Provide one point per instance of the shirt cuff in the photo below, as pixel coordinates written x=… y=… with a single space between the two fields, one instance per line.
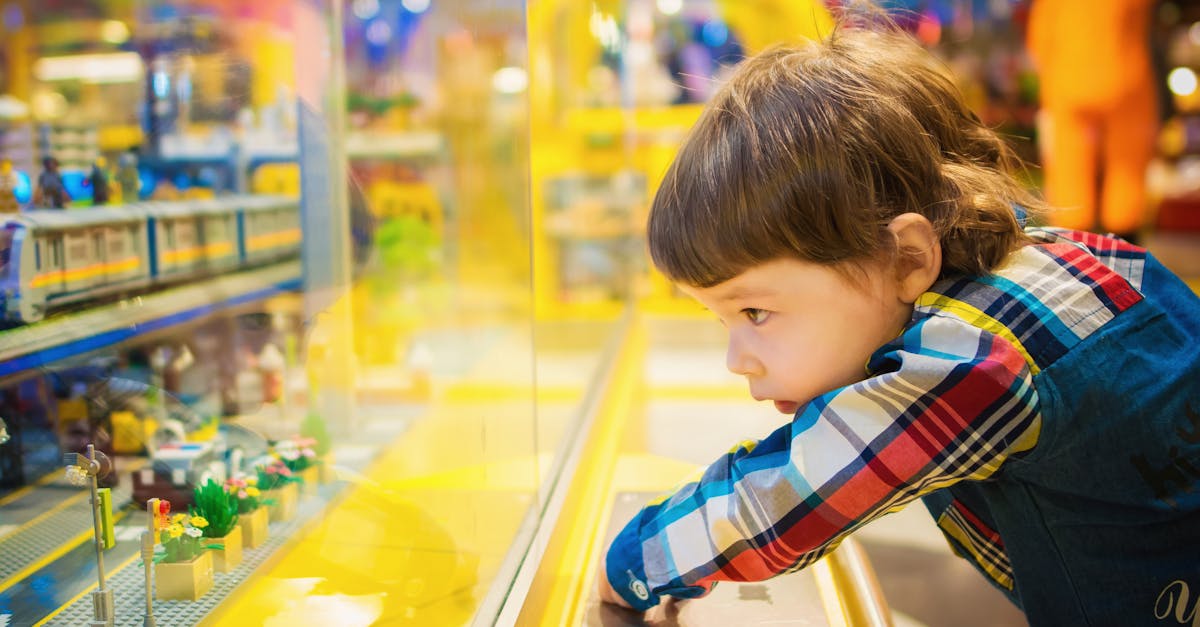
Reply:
x=626 y=570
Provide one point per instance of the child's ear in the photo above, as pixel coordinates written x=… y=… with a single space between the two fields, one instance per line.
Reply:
x=918 y=254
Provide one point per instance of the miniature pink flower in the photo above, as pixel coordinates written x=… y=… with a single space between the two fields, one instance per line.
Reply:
x=271 y=470
x=242 y=494
x=308 y=453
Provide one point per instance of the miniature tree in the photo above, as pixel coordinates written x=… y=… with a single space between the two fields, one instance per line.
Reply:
x=314 y=427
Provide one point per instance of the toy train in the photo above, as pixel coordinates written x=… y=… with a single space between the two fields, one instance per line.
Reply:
x=55 y=258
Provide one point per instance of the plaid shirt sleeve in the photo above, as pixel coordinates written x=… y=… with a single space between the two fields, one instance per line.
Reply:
x=945 y=402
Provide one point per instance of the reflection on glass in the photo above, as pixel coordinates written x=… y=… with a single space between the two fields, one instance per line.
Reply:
x=171 y=330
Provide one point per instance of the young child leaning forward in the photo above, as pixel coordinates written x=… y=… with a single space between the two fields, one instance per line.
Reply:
x=857 y=230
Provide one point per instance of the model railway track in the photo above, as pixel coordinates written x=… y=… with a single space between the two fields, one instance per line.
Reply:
x=29 y=347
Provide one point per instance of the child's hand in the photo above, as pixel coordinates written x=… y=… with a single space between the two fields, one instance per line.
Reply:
x=605 y=590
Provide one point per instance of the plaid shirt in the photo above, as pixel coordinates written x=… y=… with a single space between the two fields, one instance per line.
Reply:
x=950 y=400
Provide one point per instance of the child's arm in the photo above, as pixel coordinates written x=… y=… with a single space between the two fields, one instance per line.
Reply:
x=948 y=402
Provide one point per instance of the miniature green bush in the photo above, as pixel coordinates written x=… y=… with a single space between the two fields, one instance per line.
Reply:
x=218 y=506
x=274 y=475
x=314 y=427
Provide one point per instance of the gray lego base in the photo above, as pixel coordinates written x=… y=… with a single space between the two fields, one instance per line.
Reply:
x=20 y=549
x=129 y=583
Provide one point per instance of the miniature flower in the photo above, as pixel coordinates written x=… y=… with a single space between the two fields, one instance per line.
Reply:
x=271 y=470
x=309 y=453
x=290 y=455
x=252 y=491
x=193 y=532
x=175 y=530
x=285 y=471
x=179 y=519
x=199 y=522
x=243 y=494
x=251 y=481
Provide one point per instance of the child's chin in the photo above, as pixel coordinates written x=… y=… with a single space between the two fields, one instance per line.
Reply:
x=787 y=407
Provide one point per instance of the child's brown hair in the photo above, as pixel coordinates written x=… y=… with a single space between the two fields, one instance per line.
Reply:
x=808 y=152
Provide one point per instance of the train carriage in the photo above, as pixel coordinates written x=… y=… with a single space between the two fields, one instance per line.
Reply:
x=193 y=237
x=270 y=227
x=55 y=257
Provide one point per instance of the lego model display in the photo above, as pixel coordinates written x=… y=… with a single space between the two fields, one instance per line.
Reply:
x=49 y=258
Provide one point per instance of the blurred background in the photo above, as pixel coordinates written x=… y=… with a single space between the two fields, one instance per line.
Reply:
x=382 y=262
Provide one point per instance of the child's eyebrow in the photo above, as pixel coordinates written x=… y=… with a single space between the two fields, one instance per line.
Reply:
x=742 y=292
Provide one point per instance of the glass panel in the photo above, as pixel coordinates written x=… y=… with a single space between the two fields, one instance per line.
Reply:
x=324 y=306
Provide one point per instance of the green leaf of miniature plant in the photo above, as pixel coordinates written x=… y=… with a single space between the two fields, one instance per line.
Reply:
x=217 y=506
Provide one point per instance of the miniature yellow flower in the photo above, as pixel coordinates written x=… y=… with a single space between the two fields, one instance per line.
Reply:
x=179 y=519
x=175 y=530
x=199 y=522
x=252 y=491
x=251 y=480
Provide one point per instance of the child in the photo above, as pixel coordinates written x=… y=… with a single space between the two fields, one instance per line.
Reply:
x=856 y=229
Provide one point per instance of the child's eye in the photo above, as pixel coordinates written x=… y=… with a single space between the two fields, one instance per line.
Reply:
x=756 y=316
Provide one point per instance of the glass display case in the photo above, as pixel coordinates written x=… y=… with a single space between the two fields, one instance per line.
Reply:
x=319 y=313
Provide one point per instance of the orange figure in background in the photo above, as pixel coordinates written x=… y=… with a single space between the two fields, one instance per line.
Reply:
x=1099 y=116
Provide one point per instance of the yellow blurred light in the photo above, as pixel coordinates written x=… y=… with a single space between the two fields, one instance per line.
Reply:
x=114 y=32
x=111 y=67
x=1182 y=81
x=605 y=29
x=670 y=7
x=1173 y=139
x=48 y=105
x=510 y=80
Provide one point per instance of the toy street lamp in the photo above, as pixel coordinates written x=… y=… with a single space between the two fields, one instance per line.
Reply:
x=87 y=470
x=158 y=511
x=4 y=437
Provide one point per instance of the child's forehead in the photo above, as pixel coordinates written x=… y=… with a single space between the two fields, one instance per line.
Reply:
x=785 y=274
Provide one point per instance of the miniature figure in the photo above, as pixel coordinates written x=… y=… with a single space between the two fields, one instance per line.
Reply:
x=127 y=177
x=99 y=182
x=8 y=188
x=50 y=192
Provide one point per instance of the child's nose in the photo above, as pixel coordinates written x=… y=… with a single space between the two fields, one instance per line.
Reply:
x=738 y=360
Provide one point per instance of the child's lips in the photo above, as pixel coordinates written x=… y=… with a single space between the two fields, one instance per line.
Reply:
x=787 y=407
